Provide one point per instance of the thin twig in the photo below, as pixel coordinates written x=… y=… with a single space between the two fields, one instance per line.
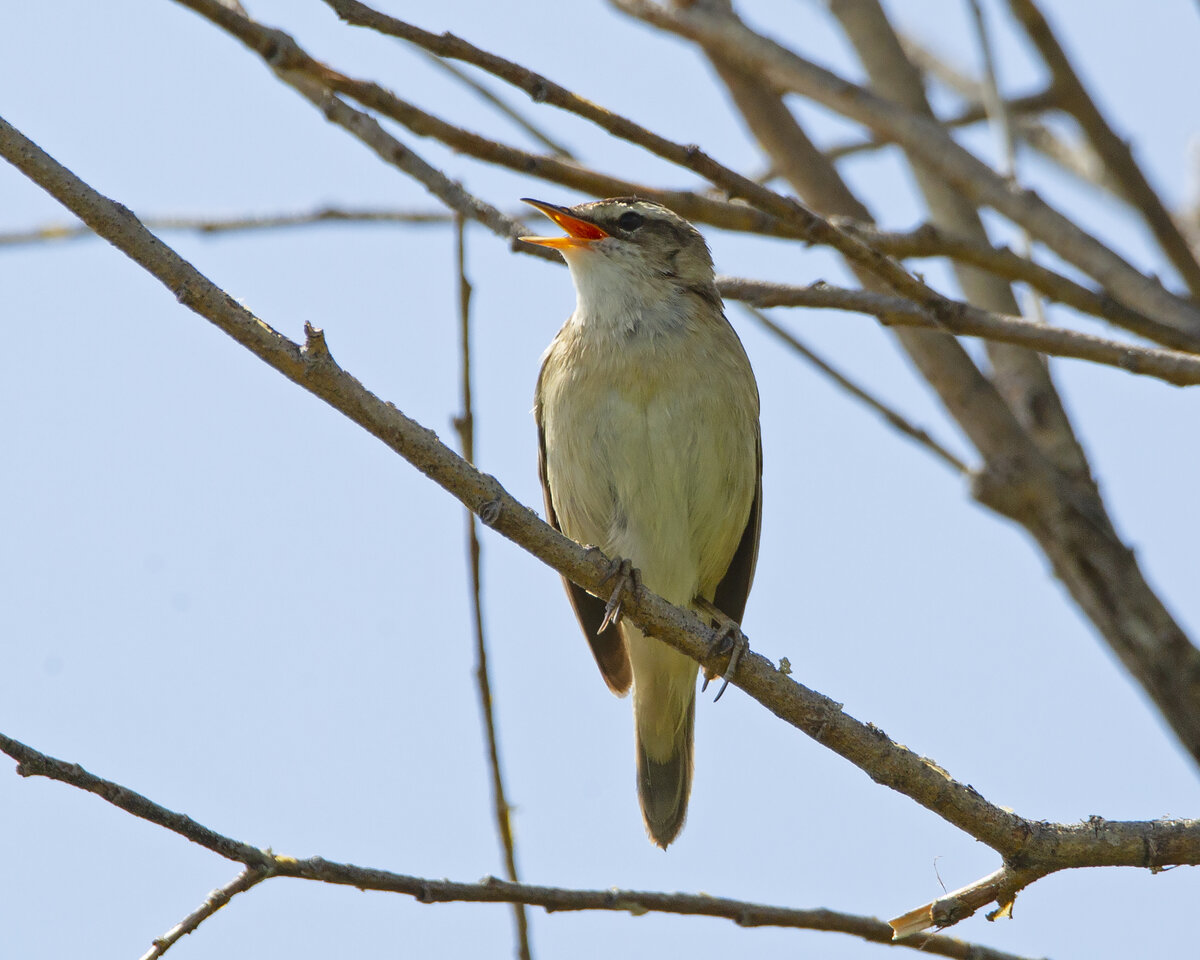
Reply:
x=1030 y=104
x=1075 y=158
x=464 y=423
x=1112 y=148
x=891 y=416
x=501 y=105
x=1002 y=120
x=216 y=225
x=1171 y=366
x=251 y=876
x=930 y=240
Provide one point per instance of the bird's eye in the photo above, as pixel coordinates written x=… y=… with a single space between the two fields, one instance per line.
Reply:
x=630 y=220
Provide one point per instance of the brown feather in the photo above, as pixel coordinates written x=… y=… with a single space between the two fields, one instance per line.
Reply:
x=608 y=647
x=734 y=588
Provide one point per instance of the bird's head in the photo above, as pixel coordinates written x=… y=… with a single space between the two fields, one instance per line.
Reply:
x=632 y=243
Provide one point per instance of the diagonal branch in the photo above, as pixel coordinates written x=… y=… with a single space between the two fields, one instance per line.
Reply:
x=501 y=106
x=309 y=77
x=1076 y=159
x=925 y=140
x=1112 y=148
x=1029 y=105
x=250 y=877
x=1020 y=376
x=892 y=417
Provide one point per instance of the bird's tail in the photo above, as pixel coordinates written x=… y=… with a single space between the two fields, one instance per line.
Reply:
x=664 y=712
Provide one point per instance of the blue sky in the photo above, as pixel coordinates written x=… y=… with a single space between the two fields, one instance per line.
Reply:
x=217 y=591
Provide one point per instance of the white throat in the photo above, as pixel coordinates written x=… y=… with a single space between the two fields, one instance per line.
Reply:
x=618 y=295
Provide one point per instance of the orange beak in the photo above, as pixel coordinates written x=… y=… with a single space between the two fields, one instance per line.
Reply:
x=581 y=233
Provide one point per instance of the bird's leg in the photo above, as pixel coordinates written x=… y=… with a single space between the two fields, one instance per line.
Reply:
x=628 y=578
x=729 y=639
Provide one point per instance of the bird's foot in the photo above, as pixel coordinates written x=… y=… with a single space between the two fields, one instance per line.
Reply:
x=629 y=579
x=729 y=640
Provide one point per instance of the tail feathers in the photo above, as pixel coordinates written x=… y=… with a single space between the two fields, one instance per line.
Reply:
x=663 y=787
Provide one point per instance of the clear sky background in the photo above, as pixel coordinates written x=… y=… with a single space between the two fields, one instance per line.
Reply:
x=218 y=592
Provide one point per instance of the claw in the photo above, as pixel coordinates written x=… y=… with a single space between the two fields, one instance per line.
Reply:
x=627 y=578
x=729 y=638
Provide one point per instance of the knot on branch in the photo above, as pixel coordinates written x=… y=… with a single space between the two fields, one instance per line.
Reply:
x=1005 y=488
x=315 y=347
x=280 y=50
x=489 y=512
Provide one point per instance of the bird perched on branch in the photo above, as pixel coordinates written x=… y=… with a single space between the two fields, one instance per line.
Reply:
x=647 y=414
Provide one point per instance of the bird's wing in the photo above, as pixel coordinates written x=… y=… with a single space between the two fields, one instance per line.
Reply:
x=608 y=647
x=734 y=587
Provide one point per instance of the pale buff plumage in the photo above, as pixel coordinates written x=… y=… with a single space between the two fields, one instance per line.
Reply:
x=648 y=418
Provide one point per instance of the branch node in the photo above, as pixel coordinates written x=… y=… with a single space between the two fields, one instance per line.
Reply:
x=489 y=512
x=315 y=347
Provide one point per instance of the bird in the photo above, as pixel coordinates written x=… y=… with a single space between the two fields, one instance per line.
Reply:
x=649 y=449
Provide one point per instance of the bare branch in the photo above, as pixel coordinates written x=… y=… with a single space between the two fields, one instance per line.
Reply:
x=489 y=890
x=891 y=417
x=1020 y=377
x=804 y=223
x=501 y=105
x=464 y=423
x=929 y=240
x=1076 y=158
x=217 y=225
x=250 y=877
x=1029 y=105
x=1114 y=150
x=924 y=139
x=1143 y=842
x=1000 y=887
x=1170 y=366
x=318 y=82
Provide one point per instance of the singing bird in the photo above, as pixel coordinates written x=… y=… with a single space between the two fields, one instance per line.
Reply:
x=647 y=415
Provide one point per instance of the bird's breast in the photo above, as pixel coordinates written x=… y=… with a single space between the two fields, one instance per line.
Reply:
x=651 y=449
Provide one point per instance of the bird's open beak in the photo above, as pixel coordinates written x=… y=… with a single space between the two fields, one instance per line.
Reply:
x=581 y=232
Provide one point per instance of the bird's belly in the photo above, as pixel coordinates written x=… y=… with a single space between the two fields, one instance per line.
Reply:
x=660 y=473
